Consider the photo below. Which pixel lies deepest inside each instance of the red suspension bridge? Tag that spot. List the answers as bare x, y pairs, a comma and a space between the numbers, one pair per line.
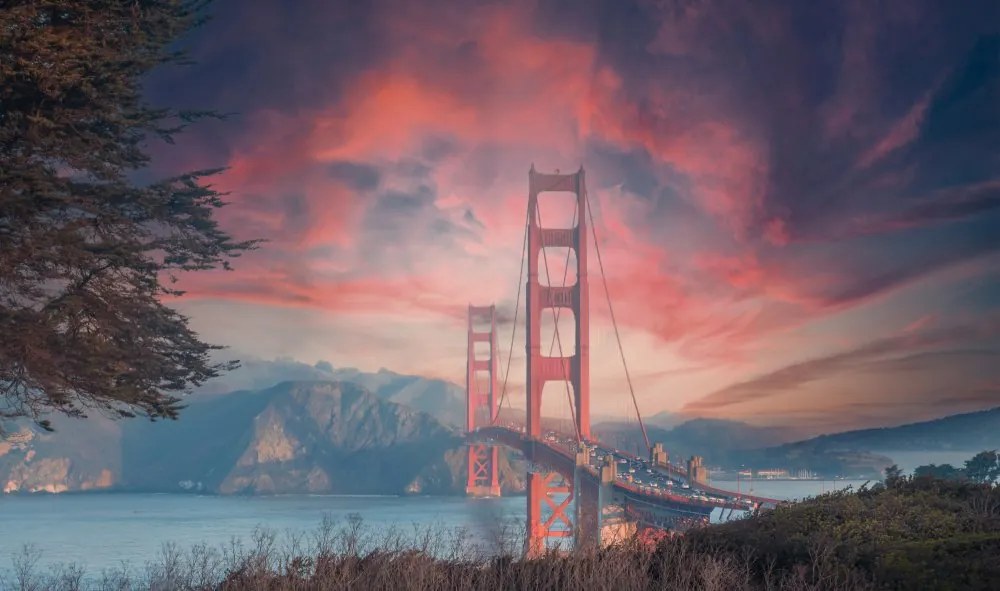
577, 487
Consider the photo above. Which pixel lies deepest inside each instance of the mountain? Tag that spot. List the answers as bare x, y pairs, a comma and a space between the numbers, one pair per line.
441, 399
295, 437
868, 452
664, 420
974, 432
733, 444
84, 455
315, 437
713, 439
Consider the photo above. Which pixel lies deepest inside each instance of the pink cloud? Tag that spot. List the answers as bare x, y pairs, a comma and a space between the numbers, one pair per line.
497, 97
903, 132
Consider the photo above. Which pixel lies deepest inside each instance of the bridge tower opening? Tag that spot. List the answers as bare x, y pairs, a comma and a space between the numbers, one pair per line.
547, 490
483, 478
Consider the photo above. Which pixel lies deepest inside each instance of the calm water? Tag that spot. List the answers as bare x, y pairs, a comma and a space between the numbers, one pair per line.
101, 531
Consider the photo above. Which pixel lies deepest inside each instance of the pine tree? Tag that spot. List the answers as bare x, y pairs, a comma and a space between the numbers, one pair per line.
86, 253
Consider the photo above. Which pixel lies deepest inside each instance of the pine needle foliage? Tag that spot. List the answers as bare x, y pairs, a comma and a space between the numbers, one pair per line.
88, 253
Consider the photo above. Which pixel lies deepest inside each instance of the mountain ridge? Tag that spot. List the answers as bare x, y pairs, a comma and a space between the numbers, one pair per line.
301, 436
440, 398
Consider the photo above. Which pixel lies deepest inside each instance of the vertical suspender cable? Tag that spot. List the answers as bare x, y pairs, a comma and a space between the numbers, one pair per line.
614, 323
517, 306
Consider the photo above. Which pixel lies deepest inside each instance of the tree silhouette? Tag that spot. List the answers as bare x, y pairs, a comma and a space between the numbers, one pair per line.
940, 472
893, 476
87, 253
984, 466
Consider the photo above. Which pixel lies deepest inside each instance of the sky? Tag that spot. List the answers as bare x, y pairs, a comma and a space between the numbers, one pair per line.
797, 203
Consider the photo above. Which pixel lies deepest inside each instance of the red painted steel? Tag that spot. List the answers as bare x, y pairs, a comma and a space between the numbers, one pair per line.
483, 478
575, 367
561, 460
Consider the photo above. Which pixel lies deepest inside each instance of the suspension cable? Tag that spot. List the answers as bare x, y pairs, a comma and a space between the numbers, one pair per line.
614, 323
513, 332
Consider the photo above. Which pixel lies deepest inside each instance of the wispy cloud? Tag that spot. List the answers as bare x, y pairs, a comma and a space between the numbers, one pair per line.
898, 353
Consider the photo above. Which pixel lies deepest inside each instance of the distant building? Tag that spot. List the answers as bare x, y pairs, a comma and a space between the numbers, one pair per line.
772, 473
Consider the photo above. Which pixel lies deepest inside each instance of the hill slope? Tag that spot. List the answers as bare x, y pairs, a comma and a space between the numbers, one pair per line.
296, 437
730, 444
713, 439
973, 431
869, 451
317, 437
441, 399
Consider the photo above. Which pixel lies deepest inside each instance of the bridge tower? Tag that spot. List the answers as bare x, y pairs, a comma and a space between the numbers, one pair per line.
481, 406
573, 367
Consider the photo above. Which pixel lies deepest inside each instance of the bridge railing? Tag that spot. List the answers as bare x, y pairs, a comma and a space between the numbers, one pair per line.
631, 487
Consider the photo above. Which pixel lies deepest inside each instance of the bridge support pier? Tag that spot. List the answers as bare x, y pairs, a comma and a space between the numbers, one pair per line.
613, 526
483, 478
551, 491
569, 367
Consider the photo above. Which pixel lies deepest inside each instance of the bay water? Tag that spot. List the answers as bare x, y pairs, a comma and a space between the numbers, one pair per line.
99, 531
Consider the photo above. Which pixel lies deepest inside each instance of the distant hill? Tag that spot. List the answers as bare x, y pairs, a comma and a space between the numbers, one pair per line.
869, 451
731, 444
974, 431
713, 439
295, 437
441, 399
664, 420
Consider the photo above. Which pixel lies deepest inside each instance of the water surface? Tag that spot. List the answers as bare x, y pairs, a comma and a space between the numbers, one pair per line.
100, 531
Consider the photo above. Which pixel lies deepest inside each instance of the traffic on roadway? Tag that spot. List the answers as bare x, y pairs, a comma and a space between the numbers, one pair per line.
643, 474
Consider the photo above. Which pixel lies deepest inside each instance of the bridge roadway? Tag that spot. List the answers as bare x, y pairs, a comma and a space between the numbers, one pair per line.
655, 495
671, 474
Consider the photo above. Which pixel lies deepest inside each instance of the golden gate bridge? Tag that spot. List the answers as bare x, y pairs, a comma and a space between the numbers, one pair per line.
577, 487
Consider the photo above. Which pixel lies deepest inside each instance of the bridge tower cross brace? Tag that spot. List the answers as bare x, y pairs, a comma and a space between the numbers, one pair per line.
483, 479
575, 367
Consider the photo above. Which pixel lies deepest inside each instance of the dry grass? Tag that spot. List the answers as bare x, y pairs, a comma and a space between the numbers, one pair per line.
348, 555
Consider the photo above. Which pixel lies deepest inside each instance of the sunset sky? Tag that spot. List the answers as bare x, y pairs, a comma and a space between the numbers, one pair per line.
798, 203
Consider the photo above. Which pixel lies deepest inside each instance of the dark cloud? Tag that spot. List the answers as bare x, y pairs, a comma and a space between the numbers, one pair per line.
274, 55
360, 177
905, 259
470, 217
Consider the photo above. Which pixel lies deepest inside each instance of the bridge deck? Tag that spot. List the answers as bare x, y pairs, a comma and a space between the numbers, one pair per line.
563, 460
679, 473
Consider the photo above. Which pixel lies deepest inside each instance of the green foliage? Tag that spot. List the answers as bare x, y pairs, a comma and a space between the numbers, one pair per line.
884, 534
984, 466
967, 561
944, 472
893, 475
86, 253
